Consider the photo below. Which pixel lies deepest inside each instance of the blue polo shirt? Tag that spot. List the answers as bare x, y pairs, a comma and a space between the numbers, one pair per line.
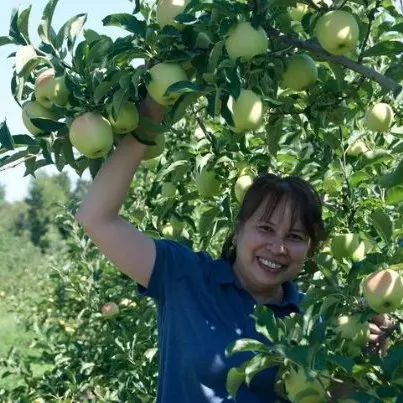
201, 309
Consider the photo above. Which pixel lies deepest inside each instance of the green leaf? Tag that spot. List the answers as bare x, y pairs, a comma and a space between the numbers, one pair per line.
178, 110
128, 22
258, 364
6, 40
23, 23
6, 139
386, 48
70, 30
266, 323
246, 345
182, 87
45, 28
14, 31
48, 125
394, 195
383, 224
235, 378
23, 139
14, 157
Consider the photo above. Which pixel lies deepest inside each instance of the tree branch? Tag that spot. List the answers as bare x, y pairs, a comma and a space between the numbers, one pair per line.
385, 82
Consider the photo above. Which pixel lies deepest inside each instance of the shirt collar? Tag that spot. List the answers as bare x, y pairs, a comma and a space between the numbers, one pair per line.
223, 273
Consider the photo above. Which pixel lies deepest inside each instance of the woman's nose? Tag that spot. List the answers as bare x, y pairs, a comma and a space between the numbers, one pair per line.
277, 246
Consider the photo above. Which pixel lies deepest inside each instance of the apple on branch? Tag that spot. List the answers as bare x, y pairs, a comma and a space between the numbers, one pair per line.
245, 41
301, 388
167, 10
383, 290
337, 32
163, 75
301, 72
127, 119
207, 183
50, 90
242, 185
247, 111
379, 117
110, 310
91, 134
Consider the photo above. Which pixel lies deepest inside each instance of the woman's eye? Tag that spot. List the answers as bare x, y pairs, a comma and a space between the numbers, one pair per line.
296, 237
266, 228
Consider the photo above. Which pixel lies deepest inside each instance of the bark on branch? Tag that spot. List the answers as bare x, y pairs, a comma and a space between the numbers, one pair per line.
385, 82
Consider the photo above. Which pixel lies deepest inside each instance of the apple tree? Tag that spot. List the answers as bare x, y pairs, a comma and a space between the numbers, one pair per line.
309, 88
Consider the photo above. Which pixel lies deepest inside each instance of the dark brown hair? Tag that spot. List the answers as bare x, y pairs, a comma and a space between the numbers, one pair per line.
306, 205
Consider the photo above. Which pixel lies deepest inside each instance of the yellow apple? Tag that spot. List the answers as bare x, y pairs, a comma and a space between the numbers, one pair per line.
242, 185
154, 151
126, 121
383, 290
164, 75
296, 13
348, 246
32, 110
245, 41
110, 310
247, 111
167, 10
91, 134
302, 389
301, 72
350, 328
50, 90
207, 183
379, 117
337, 32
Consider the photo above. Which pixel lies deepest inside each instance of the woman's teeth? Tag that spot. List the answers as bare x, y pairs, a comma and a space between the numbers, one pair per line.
269, 264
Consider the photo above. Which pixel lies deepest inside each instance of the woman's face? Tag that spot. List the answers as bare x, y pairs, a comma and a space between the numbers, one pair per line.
270, 253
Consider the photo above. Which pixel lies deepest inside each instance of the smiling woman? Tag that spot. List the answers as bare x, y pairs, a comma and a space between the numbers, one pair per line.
279, 224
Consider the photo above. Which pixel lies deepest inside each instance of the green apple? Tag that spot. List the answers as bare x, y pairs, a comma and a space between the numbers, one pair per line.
296, 13
357, 148
50, 90
126, 121
110, 310
379, 117
32, 110
154, 151
168, 189
242, 185
301, 389
91, 134
167, 10
348, 246
163, 75
245, 41
301, 72
350, 328
247, 111
337, 32
207, 183
383, 290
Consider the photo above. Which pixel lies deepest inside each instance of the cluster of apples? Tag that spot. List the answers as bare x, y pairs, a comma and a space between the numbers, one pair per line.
92, 134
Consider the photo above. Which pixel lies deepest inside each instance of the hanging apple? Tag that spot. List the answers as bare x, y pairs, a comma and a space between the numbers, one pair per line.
91, 134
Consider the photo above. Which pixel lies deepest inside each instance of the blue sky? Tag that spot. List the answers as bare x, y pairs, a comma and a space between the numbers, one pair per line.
16, 185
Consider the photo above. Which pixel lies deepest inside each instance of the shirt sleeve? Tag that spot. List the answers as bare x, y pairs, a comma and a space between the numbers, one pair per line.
173, 261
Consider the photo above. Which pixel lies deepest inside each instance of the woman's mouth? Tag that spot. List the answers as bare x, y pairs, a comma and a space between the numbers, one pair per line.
269, 265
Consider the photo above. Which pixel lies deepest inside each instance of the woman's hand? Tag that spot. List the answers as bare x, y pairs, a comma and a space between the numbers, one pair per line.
380, 326
151, 110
